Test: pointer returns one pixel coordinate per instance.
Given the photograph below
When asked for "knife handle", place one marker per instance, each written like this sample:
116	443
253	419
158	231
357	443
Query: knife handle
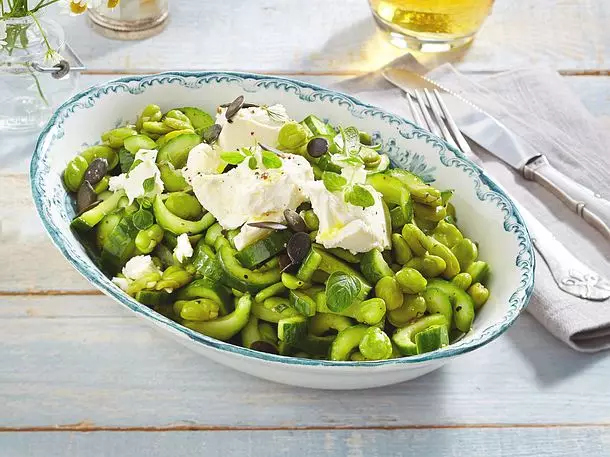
587	204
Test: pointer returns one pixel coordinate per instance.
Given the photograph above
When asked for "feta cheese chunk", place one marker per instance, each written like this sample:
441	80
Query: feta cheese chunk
249	235
123	283
183	249
203	159
242	193
139	266
251	125
133	181
346	226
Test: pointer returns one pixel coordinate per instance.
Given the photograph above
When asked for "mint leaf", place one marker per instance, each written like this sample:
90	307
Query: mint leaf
142	219
333	181
270	160
149	184
232	157
342	290
358	195
351	138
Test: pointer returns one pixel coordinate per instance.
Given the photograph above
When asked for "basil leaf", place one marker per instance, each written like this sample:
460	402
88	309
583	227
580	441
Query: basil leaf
358	195
270	160
333	181
149	184
142	219
232	157
342	290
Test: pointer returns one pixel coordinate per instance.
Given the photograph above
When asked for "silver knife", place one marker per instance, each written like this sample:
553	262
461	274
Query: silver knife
569	273
495	137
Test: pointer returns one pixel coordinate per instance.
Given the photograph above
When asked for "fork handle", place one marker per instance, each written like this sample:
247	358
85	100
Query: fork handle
587	204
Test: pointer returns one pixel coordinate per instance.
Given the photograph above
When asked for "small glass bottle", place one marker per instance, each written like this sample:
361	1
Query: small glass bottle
131	19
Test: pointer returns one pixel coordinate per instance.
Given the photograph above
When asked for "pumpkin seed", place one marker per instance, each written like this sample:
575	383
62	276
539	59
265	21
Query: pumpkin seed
96	170
234	107
317	147
285	263
270	148
268	225
85	197
294	220
298	247
264	346
211	134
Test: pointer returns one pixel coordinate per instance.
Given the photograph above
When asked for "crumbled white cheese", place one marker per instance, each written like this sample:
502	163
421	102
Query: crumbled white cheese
183	249
203	159
248	235
139	266
133	181
123	283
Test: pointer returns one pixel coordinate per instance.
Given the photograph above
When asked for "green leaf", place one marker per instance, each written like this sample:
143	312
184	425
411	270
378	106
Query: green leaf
252	163
145	202
270	160
134	164
149	184
142	219
351	138
353	161
333	181
126	159
232	157
359	195
342	290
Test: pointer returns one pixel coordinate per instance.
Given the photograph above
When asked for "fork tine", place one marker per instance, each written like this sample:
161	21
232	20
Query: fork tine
462	143
419	120
439	119
422	104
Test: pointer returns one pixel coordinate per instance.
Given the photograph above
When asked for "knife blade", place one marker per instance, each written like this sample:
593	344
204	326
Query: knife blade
497	139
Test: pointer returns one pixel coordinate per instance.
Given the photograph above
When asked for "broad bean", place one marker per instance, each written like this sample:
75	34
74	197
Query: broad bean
429	265
447	233
479	294
417	240
101	151
413	306
155	127
115	138
201	309
74	173
184	205
322	323
173	278
429	213
311	220
147	240
390	292
149	113
177	120
375	344
452	266
466	252
462	280
410	280
479	271
401	250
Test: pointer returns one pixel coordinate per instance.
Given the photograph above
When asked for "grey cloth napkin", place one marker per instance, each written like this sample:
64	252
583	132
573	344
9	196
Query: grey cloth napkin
539	106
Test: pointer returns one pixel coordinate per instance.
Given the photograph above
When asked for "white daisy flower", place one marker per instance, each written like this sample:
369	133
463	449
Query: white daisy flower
51	58
2	33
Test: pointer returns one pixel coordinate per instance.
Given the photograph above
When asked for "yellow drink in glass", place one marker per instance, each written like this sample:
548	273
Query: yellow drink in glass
430	25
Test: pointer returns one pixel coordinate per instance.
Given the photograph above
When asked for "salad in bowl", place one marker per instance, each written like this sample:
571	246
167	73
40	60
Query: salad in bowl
280	228
287	236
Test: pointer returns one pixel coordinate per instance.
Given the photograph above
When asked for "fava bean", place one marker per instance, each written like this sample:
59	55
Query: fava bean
389	291
479	294
292	135
101	151
136	142
177	120
375	344
322	323
74	174
116	137
147	240
201	309
437	302
447	233
413	307
462	280
401	250
479	271
429	213
184	205
417	240
452	266
156	127
346	342
173	278
429	265
410	280
311	220
466	252
149	113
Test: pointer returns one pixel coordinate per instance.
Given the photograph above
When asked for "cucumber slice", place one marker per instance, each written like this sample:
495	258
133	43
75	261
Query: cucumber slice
302	302
403	338
173	181
382	166
136	142
238	277
420	191
208	288
292	329
329	264
176	225
315	345
462	303
346	342
119	246
200	120
226	327
177	149
317	126
206	263
264	249
393	192
154	298
309	266
374	267
89	219
431	339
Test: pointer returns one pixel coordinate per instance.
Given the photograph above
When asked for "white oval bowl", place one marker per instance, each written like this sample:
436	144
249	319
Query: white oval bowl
484	211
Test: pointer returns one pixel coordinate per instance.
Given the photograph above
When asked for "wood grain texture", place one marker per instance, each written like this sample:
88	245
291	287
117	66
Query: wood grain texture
355	443
319	36
86	363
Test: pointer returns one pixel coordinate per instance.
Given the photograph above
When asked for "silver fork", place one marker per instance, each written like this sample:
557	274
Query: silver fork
570	274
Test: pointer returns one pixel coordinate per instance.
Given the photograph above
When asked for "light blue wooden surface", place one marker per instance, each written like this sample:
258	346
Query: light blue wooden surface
79	376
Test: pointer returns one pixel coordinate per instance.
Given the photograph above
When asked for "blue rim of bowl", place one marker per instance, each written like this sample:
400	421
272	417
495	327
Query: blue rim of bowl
525	259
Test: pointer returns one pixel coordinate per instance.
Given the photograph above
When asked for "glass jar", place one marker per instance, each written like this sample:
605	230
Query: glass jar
28	96
131	19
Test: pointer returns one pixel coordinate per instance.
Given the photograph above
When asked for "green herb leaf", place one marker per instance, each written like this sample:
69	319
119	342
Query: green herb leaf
333	181
149	184
351	137
270	160
126	159
134	164
142	219
353	161
145	202
359	195
233	157
342	289
252	163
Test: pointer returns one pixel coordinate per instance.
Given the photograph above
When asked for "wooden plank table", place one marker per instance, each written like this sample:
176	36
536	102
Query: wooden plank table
79	375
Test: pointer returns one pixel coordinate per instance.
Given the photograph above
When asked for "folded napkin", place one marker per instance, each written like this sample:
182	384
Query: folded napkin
539	106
